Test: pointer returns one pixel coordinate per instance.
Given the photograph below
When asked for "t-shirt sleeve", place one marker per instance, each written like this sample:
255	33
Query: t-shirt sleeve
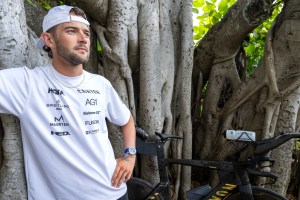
116	112
14	85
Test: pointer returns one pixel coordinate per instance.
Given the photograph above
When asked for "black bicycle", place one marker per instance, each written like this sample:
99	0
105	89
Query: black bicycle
234	181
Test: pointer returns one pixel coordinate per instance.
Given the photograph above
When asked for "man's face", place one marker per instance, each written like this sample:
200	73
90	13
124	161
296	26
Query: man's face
72	42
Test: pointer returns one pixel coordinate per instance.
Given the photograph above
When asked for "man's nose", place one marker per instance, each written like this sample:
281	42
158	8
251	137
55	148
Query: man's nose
83	38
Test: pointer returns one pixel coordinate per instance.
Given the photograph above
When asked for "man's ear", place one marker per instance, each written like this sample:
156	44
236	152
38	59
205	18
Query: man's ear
48	39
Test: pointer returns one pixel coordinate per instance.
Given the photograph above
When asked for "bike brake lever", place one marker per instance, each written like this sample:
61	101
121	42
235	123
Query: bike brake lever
141	133
165	137
262	159
262	174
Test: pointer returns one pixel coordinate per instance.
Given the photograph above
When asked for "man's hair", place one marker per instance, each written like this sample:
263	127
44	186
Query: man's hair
75	10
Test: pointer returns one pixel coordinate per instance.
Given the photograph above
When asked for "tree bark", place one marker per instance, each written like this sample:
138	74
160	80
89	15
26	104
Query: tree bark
13	41
139	48
286	45
259	102
215	65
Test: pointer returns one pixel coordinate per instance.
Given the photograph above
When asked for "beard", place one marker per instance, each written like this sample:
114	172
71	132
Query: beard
70	55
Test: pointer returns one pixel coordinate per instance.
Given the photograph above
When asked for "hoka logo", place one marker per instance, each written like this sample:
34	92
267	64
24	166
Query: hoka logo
55	91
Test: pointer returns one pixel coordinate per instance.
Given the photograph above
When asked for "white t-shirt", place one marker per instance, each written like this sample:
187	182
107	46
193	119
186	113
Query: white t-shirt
67	153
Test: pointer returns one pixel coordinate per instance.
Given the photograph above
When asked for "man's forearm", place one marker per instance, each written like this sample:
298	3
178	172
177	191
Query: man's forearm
129	135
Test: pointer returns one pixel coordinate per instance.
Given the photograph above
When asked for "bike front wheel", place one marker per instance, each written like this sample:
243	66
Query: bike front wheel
139	189
258	194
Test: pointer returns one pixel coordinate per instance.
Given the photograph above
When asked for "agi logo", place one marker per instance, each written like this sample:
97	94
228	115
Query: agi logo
91	102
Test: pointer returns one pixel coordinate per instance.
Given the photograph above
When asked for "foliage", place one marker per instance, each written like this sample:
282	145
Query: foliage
46	4
297	145
209	12
254	47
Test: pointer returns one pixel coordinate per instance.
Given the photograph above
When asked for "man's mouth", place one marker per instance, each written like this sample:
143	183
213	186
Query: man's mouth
81	48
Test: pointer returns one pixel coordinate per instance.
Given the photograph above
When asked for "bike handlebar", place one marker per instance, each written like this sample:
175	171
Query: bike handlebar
164	137
263	147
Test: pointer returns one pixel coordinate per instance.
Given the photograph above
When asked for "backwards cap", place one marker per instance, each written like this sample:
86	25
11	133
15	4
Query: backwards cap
55	16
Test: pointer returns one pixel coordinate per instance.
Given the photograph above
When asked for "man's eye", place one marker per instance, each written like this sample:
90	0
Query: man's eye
71	31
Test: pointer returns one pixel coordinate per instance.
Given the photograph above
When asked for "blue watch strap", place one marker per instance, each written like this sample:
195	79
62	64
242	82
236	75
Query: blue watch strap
130	150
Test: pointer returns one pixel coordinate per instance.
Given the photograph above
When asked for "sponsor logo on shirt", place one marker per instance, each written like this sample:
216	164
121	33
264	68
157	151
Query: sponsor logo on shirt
60	133
91	113
57	105
55	91
92	122
88	91
92	132
91	102
59	122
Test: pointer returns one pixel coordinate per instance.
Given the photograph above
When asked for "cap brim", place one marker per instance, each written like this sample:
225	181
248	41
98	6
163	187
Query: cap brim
40	44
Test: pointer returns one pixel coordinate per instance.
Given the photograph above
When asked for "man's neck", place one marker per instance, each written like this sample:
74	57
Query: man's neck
68	69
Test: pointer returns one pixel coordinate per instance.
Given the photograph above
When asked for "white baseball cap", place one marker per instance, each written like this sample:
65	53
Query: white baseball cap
55	16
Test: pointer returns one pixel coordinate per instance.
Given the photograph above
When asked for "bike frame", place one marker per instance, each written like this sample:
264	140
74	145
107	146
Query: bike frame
231	174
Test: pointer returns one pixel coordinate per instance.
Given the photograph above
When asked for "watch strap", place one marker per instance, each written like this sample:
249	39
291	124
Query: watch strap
130	150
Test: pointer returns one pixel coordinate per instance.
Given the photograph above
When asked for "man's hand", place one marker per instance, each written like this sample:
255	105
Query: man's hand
123	170
125	164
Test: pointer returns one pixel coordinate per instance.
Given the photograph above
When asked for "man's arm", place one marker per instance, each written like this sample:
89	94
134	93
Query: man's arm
14	90
126	163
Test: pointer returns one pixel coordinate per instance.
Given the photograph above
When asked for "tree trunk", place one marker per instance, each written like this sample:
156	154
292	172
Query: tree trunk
13	41
286	47
283	155
140	40
184	77
215	64
153	41
260	102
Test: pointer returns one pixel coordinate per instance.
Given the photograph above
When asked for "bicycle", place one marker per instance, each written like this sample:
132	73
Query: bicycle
233	183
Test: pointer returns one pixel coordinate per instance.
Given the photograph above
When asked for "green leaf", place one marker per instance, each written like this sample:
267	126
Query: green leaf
209	3
219	15
206	9
201	18
197	37
223	6
196	29
198	3
250	49
214	19
231	2
195	10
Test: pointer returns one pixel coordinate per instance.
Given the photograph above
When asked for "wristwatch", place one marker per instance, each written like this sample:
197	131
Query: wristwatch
130	151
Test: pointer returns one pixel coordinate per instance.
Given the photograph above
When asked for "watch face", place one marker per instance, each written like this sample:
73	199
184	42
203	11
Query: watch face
132	150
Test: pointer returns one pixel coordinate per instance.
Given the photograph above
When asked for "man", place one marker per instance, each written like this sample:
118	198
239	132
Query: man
62	111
